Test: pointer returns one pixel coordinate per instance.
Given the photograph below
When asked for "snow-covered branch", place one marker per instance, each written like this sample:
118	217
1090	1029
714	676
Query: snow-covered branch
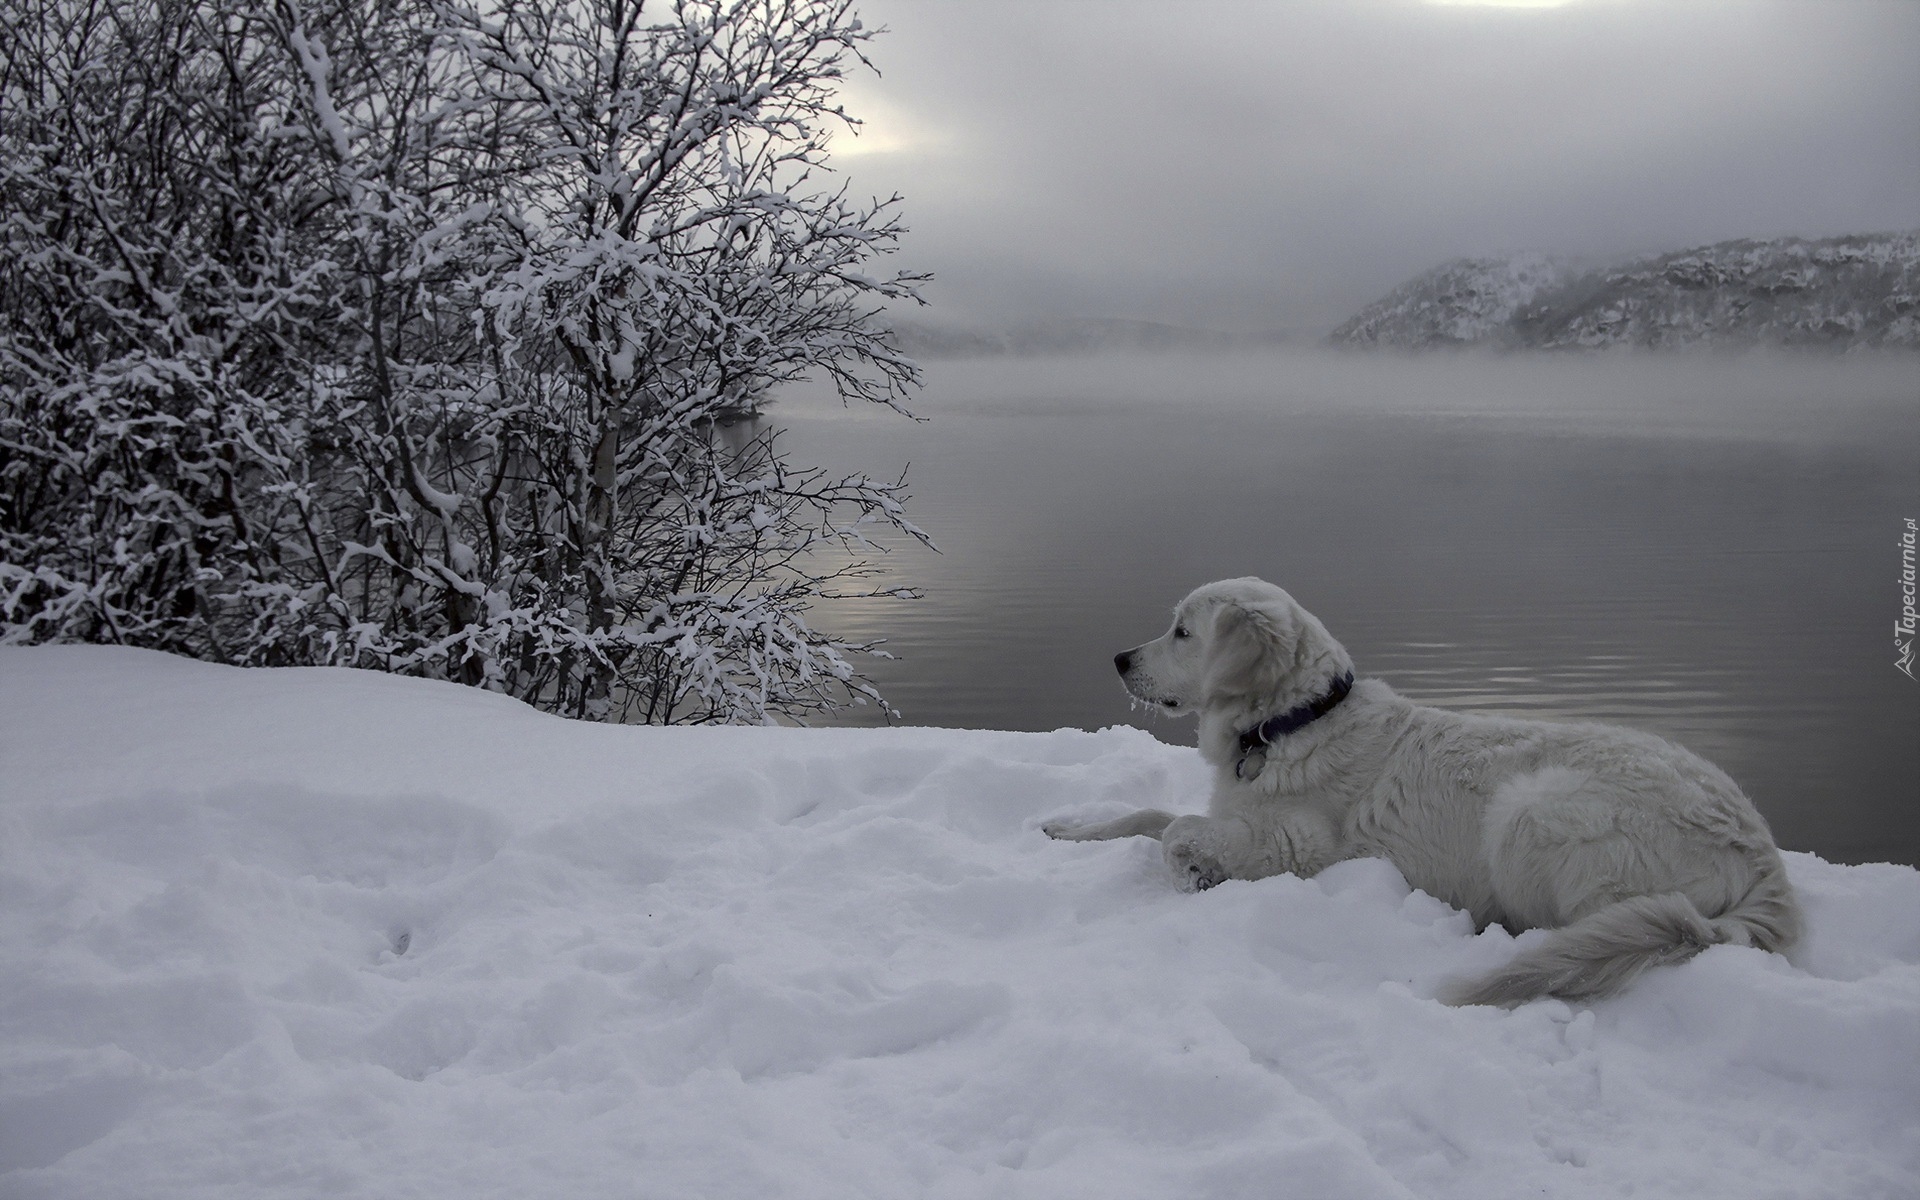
408	336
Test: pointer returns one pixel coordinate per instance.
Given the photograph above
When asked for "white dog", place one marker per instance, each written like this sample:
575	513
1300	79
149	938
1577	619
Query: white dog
1637	851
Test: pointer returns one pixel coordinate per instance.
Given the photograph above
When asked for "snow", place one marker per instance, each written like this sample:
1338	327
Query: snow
321	932
1842	293
1464	301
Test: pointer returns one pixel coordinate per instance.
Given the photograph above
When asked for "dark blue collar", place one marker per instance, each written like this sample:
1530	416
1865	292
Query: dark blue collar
1263	734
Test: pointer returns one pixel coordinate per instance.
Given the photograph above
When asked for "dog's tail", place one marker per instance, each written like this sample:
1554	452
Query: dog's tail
1605	950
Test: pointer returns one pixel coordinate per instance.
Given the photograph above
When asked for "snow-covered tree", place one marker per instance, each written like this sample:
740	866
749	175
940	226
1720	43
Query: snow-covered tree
407	334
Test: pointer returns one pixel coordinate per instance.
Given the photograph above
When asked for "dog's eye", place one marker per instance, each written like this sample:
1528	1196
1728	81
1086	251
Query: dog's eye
1180	631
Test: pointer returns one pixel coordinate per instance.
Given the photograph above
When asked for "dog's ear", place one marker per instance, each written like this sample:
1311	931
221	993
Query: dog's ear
1249	655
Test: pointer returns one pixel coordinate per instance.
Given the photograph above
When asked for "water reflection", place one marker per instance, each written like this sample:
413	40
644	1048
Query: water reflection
1696	547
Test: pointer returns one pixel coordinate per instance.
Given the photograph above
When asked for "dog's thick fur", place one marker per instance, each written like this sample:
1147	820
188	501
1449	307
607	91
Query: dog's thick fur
1636	851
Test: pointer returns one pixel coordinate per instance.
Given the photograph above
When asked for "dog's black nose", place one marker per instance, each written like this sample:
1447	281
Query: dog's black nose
1123	660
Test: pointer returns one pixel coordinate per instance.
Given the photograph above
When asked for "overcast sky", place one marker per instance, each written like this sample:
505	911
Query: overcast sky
1276	165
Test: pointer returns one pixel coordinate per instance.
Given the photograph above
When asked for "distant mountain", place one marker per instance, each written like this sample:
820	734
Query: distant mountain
1464	302
1836	293
1060	335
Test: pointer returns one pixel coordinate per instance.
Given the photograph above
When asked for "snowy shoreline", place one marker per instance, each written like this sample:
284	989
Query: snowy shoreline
285	933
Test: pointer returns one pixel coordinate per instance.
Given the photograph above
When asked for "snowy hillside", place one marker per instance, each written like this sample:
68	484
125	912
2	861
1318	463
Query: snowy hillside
1834	293
318	932
1466	301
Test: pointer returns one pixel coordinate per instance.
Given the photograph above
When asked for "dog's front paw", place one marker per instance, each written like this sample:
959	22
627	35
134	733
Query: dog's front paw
1066	831
1194	870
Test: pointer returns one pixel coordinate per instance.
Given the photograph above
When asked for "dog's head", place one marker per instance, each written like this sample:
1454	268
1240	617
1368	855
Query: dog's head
1239	645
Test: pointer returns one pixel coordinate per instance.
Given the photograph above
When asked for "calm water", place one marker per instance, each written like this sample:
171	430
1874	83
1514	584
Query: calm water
1702	548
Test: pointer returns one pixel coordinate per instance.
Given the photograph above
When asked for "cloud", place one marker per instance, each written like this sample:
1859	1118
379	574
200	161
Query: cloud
1267	165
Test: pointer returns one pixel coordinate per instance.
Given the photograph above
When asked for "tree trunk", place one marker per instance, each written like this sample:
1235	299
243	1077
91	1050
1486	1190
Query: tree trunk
601	486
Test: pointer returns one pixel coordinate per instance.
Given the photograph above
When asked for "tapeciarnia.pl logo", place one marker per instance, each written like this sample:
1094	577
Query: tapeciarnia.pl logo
1903	628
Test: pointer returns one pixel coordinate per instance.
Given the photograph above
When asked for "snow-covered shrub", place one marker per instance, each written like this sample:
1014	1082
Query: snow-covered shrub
407	334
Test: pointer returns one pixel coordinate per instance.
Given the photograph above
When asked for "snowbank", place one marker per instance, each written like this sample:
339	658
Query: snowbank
308	932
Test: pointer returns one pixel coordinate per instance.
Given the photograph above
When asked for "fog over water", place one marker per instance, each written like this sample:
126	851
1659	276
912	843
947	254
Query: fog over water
1241	164
1703	547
